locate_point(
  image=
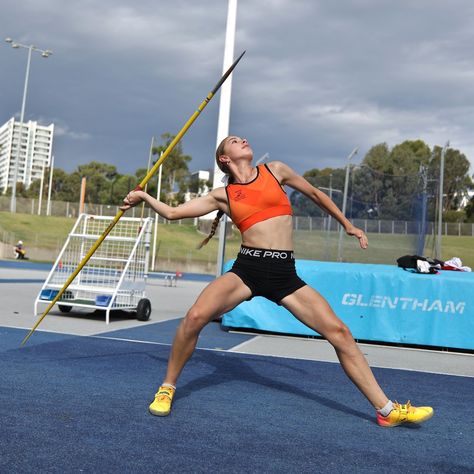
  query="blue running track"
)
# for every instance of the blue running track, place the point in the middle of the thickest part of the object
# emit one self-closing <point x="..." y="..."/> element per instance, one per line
<point x="79" y="404"/>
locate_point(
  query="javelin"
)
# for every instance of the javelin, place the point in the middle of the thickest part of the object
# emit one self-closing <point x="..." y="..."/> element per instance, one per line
<point x="143" y="183"/>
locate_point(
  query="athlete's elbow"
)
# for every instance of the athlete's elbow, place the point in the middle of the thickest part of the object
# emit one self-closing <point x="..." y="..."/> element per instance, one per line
<point x="172" y="214"/>
<point x="316" y="197"/>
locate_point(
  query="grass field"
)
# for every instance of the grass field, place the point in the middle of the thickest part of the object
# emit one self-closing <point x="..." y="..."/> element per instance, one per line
<point x="176" y="244"/>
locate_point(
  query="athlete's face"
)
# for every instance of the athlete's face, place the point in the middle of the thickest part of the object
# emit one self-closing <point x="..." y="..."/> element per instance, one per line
<point x="236" y="147"/>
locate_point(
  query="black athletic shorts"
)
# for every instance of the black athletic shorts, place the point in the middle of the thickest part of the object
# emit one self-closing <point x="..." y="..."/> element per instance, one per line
<point x="268" y="273"/>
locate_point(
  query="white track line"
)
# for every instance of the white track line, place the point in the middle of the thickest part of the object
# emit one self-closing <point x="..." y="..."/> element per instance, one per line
<point x="243" y="344"/>
<point x="137" y="341"/>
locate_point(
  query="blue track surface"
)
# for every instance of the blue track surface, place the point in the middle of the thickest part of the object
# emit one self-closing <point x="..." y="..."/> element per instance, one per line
<point x="211" y="337"/>
<point x="73" y="404"/>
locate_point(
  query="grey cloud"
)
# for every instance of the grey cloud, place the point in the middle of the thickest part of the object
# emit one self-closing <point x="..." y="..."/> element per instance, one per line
<point x="318" y="79"/>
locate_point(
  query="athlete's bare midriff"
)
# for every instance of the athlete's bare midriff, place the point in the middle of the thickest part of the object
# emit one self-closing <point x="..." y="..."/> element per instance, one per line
<point x="274" y="233"/>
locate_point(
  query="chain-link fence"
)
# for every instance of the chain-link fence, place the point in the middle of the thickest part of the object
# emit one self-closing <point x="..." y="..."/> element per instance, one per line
<point x="316" y="238"/>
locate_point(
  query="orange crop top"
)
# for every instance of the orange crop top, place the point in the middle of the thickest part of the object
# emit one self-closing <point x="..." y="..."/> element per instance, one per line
<point x="258" y="200"/>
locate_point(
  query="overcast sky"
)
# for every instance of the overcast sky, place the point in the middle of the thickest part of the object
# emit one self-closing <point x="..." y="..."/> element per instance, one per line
<point x="319" y="77"/>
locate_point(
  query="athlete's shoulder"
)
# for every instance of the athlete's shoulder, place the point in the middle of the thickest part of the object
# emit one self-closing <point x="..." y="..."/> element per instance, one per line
<point x="218" y="193"/>
<point x="281" y="170"/>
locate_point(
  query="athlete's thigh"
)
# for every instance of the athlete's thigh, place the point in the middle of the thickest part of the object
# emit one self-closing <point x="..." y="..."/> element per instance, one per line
<point x="311" y="308"/>
<point x="223" y="294"/>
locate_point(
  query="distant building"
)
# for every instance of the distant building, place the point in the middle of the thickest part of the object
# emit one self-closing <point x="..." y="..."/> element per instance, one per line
<point x="35" y="152"/>
<point x="200" y="180"/>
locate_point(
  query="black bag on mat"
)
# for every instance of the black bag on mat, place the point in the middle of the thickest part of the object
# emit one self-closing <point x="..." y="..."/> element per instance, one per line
<point x="416" y="262"/>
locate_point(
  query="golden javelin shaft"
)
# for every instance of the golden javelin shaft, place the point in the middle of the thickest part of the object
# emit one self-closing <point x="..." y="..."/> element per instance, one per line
<point x="144" y="181"/>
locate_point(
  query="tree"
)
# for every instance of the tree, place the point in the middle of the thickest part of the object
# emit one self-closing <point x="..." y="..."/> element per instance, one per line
<point x="457" y="181"/>
<point x="99" y="177"/>
<point x="198" y="186"/>
<point x="388" y="184"/>
<point x="470" y="210"/>
<point x="326" y="179"/>
<point x="120" y="187"/>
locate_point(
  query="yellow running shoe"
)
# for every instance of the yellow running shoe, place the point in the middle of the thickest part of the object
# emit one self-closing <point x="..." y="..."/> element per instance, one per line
<point x="404" y="414"/>
<point x="161" y="405"/>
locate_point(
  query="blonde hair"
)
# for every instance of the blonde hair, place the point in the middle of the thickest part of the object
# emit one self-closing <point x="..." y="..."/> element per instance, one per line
<point x="223" y="167"/>
<point x="214" y="225"/>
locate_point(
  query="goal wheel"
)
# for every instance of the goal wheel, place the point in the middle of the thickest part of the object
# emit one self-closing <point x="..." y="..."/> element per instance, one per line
<point x="144" y="309"/>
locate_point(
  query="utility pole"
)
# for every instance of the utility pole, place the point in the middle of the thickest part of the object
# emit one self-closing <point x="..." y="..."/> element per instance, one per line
<point x="344" y="201"/>
<point x="440" y="200"/>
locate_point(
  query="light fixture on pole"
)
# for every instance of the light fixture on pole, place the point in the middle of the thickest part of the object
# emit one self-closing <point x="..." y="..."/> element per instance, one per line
<point x="45" y="53"/>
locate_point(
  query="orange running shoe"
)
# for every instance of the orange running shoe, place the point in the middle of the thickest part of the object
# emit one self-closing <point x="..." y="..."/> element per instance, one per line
<point x="161" y="405"/>
<point x="404" y="414"/>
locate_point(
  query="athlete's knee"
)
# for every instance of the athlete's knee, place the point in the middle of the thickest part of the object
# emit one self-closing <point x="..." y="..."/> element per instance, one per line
<point x="340" y="335"/>
<point x="195" y="320"/>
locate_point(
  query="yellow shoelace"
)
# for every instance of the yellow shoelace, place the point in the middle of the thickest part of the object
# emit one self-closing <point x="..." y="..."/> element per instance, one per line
<point x="164" y="394"/>
<point x="403" y="409"/>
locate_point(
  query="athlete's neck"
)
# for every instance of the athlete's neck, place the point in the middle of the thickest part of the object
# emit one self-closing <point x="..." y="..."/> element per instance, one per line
<point x="243" y="173"/>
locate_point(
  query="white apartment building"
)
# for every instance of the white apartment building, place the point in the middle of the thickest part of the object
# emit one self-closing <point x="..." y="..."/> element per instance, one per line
<point x="36" y="146"/>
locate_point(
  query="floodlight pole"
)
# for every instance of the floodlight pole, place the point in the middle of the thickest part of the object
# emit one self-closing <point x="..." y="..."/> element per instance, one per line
<point x="223" y="122"/>
<point x="45" y="54"/>
<point x="440" y="201"/>
<point x="344" y="201"/>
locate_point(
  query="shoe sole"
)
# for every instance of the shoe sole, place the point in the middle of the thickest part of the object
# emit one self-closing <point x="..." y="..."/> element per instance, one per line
<point x="407" y="422"/>
<point x="159" y="413"/>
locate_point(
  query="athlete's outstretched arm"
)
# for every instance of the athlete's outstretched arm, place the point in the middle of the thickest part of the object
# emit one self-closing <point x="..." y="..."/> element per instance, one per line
<point x="289" y="177"/>
<point x="195" y="208"/>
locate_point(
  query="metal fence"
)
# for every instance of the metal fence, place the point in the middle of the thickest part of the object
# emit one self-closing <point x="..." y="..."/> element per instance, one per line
<point x="316" y="238"/>
<point x="376" y="226"/>
<point x="71" y="209"/>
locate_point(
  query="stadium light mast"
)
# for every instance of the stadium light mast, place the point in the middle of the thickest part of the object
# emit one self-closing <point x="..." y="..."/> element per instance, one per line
<point x="45" y="53"/>
<point x="224" y="119"/>
<point x="344" y="201"/>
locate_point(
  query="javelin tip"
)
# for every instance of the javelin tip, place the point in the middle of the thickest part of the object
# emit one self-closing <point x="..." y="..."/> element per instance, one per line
<point x="227" y="74"/>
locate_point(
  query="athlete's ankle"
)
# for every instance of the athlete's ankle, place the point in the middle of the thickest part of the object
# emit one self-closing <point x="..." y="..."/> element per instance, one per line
<point x="385" y="410"/>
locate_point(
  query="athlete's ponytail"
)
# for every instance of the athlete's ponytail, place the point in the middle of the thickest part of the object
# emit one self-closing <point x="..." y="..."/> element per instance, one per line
<point x="224" y="169"/>
<point x="215" y="223"/>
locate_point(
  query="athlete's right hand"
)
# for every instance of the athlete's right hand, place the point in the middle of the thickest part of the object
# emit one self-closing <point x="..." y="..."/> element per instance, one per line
<point x="132" y="199"/>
